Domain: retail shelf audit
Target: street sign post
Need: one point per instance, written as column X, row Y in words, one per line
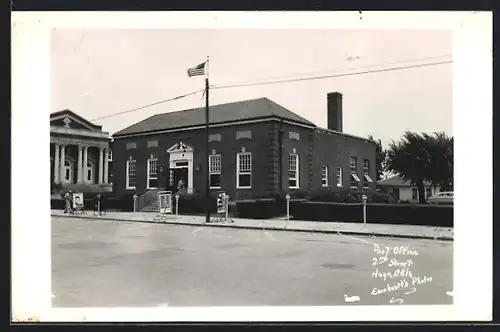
column 164, row 204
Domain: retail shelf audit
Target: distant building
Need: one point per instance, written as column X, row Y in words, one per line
column 257, row 148
column 402, row 190
column 80, row 154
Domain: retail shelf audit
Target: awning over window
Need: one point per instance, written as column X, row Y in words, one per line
column 368, row 178
column 355, row 177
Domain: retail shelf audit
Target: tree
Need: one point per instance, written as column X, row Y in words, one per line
column 440, row 168
column 422, row 158
column 380, row 157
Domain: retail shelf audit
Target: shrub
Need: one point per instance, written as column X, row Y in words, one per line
column 261, row 208
column 195, row 203
column 297, row 194
column 380, row 197
column 126, row 202
column 329, row 195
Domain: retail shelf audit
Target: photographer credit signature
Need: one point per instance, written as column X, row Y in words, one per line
column 393, row 265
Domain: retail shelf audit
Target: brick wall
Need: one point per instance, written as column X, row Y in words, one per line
column 314, row 147
column 334, row 150
column 259, row 144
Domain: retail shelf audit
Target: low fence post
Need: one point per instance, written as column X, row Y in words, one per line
column 364, row 198
column 287, row 209
column 135, row 202
column 177, row 204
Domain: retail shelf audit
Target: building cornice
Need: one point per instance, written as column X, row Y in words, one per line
column 215, row 125
column 79, row 132
column 79, row 142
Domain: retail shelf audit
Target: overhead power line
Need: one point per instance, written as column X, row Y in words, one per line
column 242, row 84
column 148, row 105
column 330, row 76
column 334, row 71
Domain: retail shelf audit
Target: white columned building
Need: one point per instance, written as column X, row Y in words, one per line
column 79, row 153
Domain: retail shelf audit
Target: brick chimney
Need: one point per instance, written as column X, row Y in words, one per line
column 334, row 111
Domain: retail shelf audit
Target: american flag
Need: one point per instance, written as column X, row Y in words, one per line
column 197, row 71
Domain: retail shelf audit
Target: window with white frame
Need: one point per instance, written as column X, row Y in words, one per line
column 152, row 179
column 110, row 155
column 353, row 166
column 366, row 171
column 324, row 176
column 215, row 167
column 244, row 170
column 414, row 193
column 339, row 176
column 131, row 174
column 293, row 171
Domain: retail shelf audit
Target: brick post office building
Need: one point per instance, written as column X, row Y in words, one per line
column 257, row 148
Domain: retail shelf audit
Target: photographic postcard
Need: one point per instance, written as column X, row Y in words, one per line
column 247, row 167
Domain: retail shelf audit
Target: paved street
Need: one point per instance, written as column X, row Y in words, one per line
column 116, row 263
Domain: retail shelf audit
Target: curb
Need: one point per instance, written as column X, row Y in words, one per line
column 271, row 228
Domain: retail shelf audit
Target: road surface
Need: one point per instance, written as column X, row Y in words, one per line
column 98, row 263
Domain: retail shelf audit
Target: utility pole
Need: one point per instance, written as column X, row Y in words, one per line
column 207, row 153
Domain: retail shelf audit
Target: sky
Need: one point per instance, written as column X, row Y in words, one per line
column 99, row 72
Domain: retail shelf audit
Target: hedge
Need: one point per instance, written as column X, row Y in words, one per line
column 195, row 204
column 411, row 214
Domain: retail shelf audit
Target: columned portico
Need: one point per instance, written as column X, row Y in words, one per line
column 56, row 163
column 62, row 163
column 79, row 165
column 106, row 164
column 84, row 164
column 79, row 157
column 101, row 165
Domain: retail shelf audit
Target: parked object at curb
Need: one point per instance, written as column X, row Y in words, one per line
column 350, row 299
column 444, row 197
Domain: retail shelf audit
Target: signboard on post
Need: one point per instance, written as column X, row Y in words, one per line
column 165, row 202
column 78, row 202
column 221, row 202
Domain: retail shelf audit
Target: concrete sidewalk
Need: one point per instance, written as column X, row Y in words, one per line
column 382, row 230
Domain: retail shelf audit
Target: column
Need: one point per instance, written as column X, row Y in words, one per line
column 57, row 172
column 79, row 168
column 84, row 166
column 62, row 162
column 101, row 164
column 106, row 164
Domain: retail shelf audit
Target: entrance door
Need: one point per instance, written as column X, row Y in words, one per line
column 180, row 173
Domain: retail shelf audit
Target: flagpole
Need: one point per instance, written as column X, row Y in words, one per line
column 207, row 156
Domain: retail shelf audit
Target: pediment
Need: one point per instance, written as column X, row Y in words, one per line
column 69, row 119
column 180, row 147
